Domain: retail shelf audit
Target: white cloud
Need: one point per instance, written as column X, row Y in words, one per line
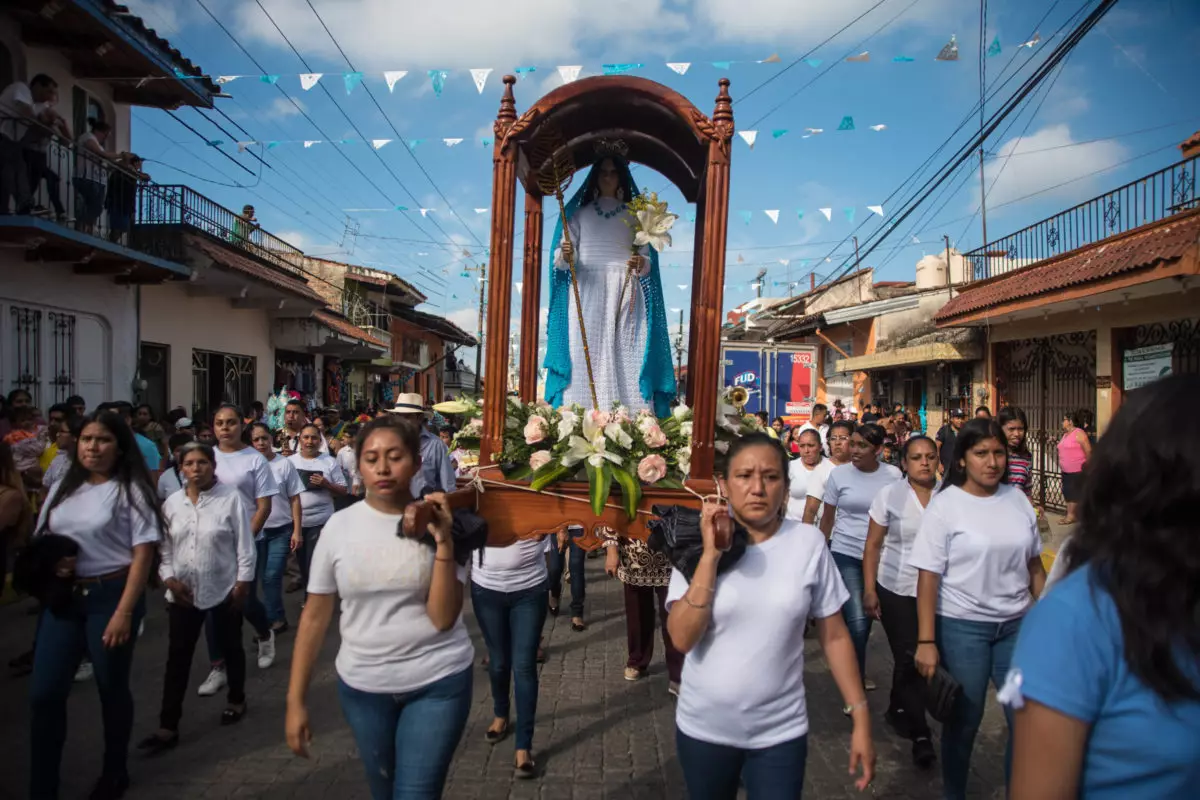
column 465, row 318
column 282, row 108
column 1034, row 166
column 808, row 22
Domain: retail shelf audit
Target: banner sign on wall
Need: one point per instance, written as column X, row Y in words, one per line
column 1145, row 365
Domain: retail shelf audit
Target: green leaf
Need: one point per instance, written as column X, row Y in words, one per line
column 669, row 483
column 519, row 474
column 600, row 483
column 548, row 474
column 631, row 490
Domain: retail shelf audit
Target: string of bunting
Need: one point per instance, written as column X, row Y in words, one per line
column 747, row 217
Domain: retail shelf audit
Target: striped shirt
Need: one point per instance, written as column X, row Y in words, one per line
column 1019, row 472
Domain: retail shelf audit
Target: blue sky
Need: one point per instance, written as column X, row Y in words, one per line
column 1135, row 72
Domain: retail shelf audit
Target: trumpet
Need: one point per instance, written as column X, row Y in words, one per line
column 738, row 396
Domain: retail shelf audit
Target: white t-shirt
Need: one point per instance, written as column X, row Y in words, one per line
column 89, row 165
column 981, row 548
column 851, row 490
column 169, row 483
column 743, row 682
column 801, row 480
column 348, row 461
column 898, row 509
column 13, row 94
column 290, row 485
column 515, row 568
column 389, row 645
column 106, row 521
column 317, row 504
column 248, row 472
column 57, row 470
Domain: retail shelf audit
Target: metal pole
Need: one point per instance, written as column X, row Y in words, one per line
column 679, row 349
column 982, row 96
column 949, row 274
column 857, row 264
column 479, row 332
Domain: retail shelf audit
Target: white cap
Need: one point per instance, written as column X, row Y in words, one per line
column 183, row 422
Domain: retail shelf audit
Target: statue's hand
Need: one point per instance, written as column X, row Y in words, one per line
column 568, row 252
column 640, row 265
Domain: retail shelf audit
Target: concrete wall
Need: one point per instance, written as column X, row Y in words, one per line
column 853, row 292
column 182, row 322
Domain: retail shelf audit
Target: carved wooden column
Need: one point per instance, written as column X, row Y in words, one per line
column 705, row 340
column 500, row 268
column 531, row 295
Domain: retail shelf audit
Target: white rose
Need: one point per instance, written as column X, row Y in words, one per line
column 686, row 428
column 681, row 411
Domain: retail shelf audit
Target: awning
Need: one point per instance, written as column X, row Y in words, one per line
column 911, row 357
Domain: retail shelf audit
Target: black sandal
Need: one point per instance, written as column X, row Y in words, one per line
column 552, row 607
column 155, row 744
column 495, row 737
column 526, row 771
column 231, row 716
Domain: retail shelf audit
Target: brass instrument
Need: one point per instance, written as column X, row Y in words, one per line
column 738, row 396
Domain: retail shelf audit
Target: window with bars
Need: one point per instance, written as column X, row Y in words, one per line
column 43, row 353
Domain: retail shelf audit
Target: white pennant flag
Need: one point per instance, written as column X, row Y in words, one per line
column 378, row 143
column 1037, row 37
column 224, row 79
column 680, row 66
column 569, row 74
column 481, row 211
column 309, row 79
column 682, row 286
column 915, row 240
column 814, row 131
column 749, row 137
column 393, row 76
column 310, row 142
column 676, row 310
column 243, row 145
column 452, row 142
column 785, row 261
column 773, row 213
column 425, row 211
column 519, row 286
column 879, row 127
column 480, row 77
column 828, row 212
column 876, row 209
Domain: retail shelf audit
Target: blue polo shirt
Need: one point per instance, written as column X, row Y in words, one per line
column 149, row 452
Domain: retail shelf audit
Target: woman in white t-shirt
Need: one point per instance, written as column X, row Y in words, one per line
column 344, row 446
column 404, row 662
column 848, row 495
column 323, row 480
column 838, row 440
column 742, row 709
column 107, row 504
column 890, row 586
column 92, row 164
column 508, row 593
column 809, row 468
column 978, row 552
column 280, row 535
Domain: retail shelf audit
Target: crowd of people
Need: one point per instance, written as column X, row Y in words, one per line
column 942, row 547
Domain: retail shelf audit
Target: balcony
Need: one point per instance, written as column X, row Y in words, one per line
column 1149, row 199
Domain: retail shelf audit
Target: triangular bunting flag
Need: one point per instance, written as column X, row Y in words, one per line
column 378, row 143
column 569, row 73
column 309, row 79
column 691, row 215
column 849, row 212
column 352, row 79
column 771, row 59
column 813, row 62
column 722, row 64
column 393, row 76
column 272, row 145
column 224, row 79
column 784, row 261
column 617, row 69
column 847, row 124
column 915, row 240
column 949, row 52
column 861, row 58
column 814, row 131
column 676, row 310
column 520, row 285
column 778, row 132
column 486, row 141
column 480, row 77
column 271, row 79
column 481, row 211
column 522, row 71
column 828, row 212
column 243, row 145
column 903, row 59
column 679, row 66
column 878, row 128
column 994, row 47
column 437, row 77
column 746, row 217
column 425, row 213
column 876, row 210
column 215, row 142
column 412, row 143
column 799, row 213
column 749, row 137
column 402, row 208
column 310, row 142
column 681, row 286
column 772, row 214
column 1032, row 43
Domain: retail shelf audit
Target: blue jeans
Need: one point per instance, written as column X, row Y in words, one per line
column 556, row 563
column 61, row 642
column 273, row 545
column 312, row 535
column 511, row 623
column 857, row 621
column 974, row 653
column 712, row 771
column 406, row 740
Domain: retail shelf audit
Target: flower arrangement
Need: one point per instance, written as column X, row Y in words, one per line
column 546, row 445
column 651, row 223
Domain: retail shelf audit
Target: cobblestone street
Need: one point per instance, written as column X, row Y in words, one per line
column 598, row 736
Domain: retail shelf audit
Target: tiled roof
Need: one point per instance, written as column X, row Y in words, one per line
column 232, row 260
column 1159, row 242
column 127, row 17
column 345, row 328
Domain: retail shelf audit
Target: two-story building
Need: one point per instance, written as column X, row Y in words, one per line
column 71, row 282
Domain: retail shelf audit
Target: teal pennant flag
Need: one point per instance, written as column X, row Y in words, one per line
column 352, row 79
column 617, row 69
column 849, row 212
column 746, row 216
column 813, row 62
column 271, row 79
column 799, row 213
column 847, row 124
column 180, row 73
column 778, row 132
column 438, row 78
column 691, row 215
column 486, row 141
column 902, row 59
column 402, row 208
column 412, row 143
column 994, row 47
column 272, row 145
column 522, row 71
column 722, row 64
column 214, row 142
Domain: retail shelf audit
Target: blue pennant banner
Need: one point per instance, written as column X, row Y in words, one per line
column 617, row 69
column 352, row 79
column 847, row 124
column 438, row 78
column 271, row 79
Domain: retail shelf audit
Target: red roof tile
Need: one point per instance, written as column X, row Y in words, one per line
column 344, row 327
column 231, row 260
column 1159, row 242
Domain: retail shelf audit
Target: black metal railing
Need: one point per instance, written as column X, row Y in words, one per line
column 1149, row 199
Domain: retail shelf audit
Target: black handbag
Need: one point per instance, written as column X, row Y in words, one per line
column 35, row 571
column 675, row 532
column 940, row 693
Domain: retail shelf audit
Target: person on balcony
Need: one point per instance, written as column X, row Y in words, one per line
column 244, row 226
column 91, row 173
column 20, row 104
column 121, row 200
column 36, row 143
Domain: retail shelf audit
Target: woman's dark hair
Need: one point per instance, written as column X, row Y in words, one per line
column 15, row 393
column 779, row 420
column 99, row 126
column 591, row 186
column 248, row 434
column 815, row 434
column 874, row 434
column 409, row 433
column 759, row 440
column 970, row 434
column 1015, row 414
column 22, row 414
column 230, row 407
column 175, row 414
column 916, row 438
column 129, row 470
column 1137, row 527
column 178, row 440
column 203, row 449
column 146, row 406
column 1081, row 418
column 845, row 424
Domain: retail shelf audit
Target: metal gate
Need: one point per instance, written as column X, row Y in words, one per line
column 1182, row 334
column 1049, row 379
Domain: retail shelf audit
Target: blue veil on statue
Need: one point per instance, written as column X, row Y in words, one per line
column 657, row 377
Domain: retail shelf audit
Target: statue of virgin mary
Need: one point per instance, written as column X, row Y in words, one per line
column 629, row 345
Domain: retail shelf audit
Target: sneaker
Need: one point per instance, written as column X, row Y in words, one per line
column 923, row 754
column 633, row 674
column 215, row 682
column 266, row 651
column 85, row 672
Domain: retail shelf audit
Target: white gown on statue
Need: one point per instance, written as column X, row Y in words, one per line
column 603, row 247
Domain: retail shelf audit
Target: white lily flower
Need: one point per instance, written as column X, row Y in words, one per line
column 567, row 425
column 654, row 226
column 681, row 412
column 615, row 432
column 594, row 452
column 686, row 428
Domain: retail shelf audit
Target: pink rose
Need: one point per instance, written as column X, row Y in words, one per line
column 621, row 415
column 535, row 430
column 652, row 468
column 599, row 418
column 539, row 459
column 654, row 436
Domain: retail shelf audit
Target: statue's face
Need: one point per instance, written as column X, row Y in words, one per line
column 608, row 179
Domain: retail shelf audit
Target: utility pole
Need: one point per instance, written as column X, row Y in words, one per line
column 949, row 274
column 679, row 349
column 857, row 263
column 759, row 280
column 482, row 270
column 982, row 95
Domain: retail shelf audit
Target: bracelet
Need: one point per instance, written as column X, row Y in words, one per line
column 856, row 706
column 439, row 558
column 927, row 641
column 708, row 589
column 699, row 607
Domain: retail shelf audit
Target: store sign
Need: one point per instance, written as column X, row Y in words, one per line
column 1144, row 365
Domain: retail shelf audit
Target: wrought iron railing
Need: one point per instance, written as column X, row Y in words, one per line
column 1149, row 199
